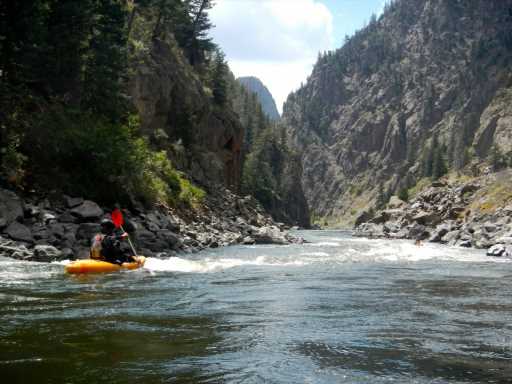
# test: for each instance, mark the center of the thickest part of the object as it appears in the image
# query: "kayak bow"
(97, 266)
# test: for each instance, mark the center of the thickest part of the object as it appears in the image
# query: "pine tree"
(439, 167)
(107, 62)
(219, 83)
(381, 197)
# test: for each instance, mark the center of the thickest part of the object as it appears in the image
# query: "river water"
(337, 310)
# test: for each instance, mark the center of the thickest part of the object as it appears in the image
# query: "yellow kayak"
(97, 266)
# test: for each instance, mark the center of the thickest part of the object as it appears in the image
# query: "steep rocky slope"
(176, 112)
(268, 103)
(467, 212)
(370, 110)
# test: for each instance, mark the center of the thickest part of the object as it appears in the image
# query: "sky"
(278, 40)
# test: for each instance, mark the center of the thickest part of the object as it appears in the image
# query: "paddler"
(106, 245)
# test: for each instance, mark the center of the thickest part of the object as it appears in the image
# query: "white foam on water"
(324, 244)
(177, 264)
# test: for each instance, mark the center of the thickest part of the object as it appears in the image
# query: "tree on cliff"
(219, 72)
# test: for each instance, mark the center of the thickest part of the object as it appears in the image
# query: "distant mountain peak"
(267, 102)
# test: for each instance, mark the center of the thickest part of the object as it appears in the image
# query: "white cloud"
(275, 40)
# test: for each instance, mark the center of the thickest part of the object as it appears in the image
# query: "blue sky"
(350, 15)
(279, 40)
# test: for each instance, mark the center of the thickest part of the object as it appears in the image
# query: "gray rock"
(418, 231)
(57, 230)
(370, 230)
(171, 239)
(427, 218)
(31, 211)
(17, 231)
(11, 208)
(3, 223)
(391, 228)
(450, 236)
(46, 253)
(67, 254)
(363, 217)
(88, 210)
(67, 217)
(490, 228)
(48, 217)
(72, 202)
(86, 231)
(507, 239)
(439, 233)
(269, 235)
(248, 240)
(395, 202)
(455, 212)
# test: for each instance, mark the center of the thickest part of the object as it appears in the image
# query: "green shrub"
(403, 194)
(12, 165)
(90, 156)
(190, 194)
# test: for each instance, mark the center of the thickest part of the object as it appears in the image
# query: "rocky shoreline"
(46, 229)
(457, 214)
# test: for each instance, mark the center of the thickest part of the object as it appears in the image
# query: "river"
(337, 310)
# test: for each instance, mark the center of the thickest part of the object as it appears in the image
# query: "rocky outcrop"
(177, 113)
(369, 111)
(475, 213)
(62, 229)
(253, 84)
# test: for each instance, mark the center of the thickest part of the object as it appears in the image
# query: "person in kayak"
(107, 245)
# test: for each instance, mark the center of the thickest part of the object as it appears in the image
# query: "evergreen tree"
(219, 73)
(381, 197)
(439, 167)
(107, 63)
(498, 161)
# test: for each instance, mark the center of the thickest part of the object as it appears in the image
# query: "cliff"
(177, 113)
(427, 73)
(253, 84)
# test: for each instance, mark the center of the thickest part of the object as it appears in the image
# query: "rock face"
(370, 109)
(268, 103)
(175, 108)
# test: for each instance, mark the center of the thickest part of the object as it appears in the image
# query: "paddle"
(118, 220)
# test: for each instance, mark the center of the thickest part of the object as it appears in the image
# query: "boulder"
(67, 217)
(86, 231)
(87, 211)
(469, 188)
(363, 217)
(46, 253)
(31, 210)
(248, 240)
(269, 235)
(440, 231)
(172, 240)
(395, 202)
(72, 202)
(370, 230)
(19, 232)
(490, 228)
(418, 231)
(455, 212)
(427, 218)
(11, 208)
(391, 228)
(507, 239)
(381, 218)
(450, 237)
